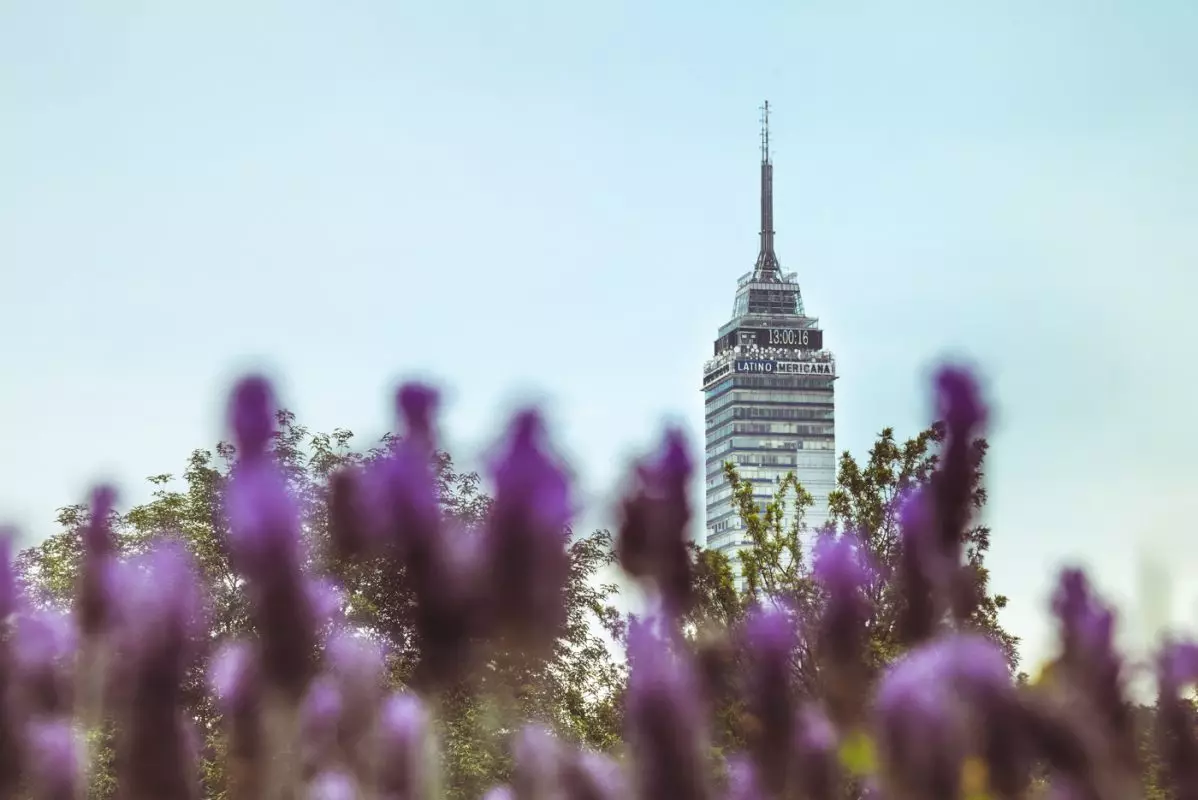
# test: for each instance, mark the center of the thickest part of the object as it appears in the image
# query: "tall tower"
(769, 390)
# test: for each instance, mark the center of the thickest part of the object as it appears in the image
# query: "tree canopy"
(575, 691)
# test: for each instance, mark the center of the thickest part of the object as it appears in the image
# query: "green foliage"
(774, 564)
(576, 692)
(867, 502)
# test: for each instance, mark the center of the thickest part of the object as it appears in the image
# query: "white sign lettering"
(803, 368)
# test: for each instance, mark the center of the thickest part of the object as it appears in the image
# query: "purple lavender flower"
(162, 617)
(961, 409)
(417, 406)
(959, 399)
(398, 495)
(771, 639)
(349, 533)
(11, 744)
(401, 514)
(930, 706)
(500, 793)
(919, 569)
(94, 600)
(743, 781)
(1092, 663)
(8, 582)
(320, 715)
(55, 762)
(264, 528)
(252, 416)
(653, 538)
(333, 785)
(1177, 666)
(236, 682)
(526, 539)
(355, 663)
(538, 756)
(403, 731)
(665, 721)
(450, 608)
(842, 571)
(816, 771)
(44, 645)
(591, 776)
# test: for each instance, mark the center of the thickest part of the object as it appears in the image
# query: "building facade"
(769, 391)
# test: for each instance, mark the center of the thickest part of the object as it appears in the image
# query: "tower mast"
(767, 260)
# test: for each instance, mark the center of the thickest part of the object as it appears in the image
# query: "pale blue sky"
(554, 199)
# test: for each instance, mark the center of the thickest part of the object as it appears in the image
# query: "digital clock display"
(788, 338)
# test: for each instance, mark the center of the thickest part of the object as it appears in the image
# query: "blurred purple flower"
(162, 618)
(1090, 658)
(400, 514)
(592, 776)
(252, 416)
(920, 569)
(44, 645)
(538, 764)
(235, 679)
(264, 530)
(526, 539)
(8, 580)
(666, 725)
(959, 400)
(97, 533)
(816, 770)
(94, 596)
(333, 785)
(653, 536)
(1177, 668)
(743, 781)
(349, 532)
(930, 707)
(450, 607)
(403, 768)
(55, 762)
(399, 499)
(11, 738)
(771, 636)
(417, 405)
(264, 520)
(842, 570)
(356, 663)
(961, 408)
(320, 715)
(500, 793)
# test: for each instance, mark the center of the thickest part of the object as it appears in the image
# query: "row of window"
(806, 464)
(778, 428)
(783, 382)
(751, 397)
(770, 412)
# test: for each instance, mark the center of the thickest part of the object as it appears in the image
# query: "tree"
(575, 691)
(776, 565)
(867, 502)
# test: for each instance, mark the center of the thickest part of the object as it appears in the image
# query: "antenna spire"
(765, 133)
(767, 261)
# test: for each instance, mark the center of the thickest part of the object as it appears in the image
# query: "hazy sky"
(554, 200)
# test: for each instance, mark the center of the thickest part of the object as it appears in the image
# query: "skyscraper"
(769, 396)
